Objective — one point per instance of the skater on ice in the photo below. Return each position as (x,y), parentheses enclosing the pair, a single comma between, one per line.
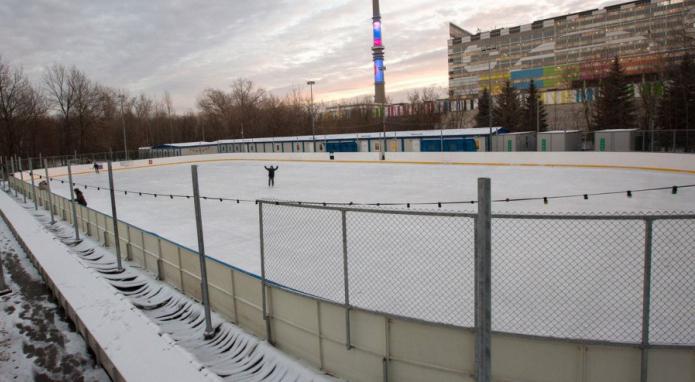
(97,167)
(271,175)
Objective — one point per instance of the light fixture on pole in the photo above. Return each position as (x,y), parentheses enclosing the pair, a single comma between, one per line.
(125,144)
(313,129)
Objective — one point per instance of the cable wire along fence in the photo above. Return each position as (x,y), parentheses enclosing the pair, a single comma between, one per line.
(607,278)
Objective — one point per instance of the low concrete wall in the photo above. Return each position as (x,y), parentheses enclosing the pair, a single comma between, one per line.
(386,347)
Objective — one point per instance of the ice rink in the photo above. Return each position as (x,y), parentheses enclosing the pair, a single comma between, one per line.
(232,232)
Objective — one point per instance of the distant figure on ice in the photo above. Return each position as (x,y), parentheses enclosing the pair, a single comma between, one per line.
(97,167)
(79,197)
(271,175)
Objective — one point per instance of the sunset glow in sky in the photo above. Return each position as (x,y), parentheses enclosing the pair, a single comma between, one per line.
(186,46)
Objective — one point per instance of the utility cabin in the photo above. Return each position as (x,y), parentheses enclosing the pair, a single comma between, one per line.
(519,141)
(616,140)
(560,140)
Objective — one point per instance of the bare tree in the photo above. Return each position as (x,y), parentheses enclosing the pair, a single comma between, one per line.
(61,97)
(15,106)
(247,99)
(143,113)
(168,104)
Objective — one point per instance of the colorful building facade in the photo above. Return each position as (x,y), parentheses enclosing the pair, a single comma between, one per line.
(566,56)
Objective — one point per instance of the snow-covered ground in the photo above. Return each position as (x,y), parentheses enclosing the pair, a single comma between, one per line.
(409,265)
(36,341)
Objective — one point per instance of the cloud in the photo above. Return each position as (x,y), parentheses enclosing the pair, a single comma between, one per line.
(186,46)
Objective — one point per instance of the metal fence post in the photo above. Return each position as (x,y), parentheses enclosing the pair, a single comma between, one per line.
(33,187)
(646,298)
(4,289)
(119,264)
(209,333)
(21,177)
(72,202)
(14,185)
(48,189)
(2,168)
(483,295)
(348,343)
(266,318)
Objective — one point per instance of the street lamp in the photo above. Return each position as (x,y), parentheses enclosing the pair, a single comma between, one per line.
(125,144)
(313,131)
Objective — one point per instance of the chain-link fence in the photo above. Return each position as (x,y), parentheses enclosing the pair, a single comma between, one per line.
(612,278)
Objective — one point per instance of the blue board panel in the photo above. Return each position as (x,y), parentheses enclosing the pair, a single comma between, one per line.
(430,145)
(341,146)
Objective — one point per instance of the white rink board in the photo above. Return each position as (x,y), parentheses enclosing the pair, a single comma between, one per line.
(231,230)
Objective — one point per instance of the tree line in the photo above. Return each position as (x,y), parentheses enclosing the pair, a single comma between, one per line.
(67,112)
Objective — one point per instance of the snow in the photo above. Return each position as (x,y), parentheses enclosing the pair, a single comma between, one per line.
(108,316)
(400,266)
(231,353)
(36,341)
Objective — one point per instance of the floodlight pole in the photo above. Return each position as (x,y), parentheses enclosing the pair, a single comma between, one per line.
(313,122)
(125,144)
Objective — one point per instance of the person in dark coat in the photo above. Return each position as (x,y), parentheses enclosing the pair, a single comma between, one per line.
(79,197)
(271,175)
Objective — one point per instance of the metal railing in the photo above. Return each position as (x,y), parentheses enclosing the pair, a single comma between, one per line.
(625,279)
(616,279)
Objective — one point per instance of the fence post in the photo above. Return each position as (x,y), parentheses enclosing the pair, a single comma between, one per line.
(266,316)
(72,203)
(48,188)
(117,238)
(4,289)
(21,177)
(14,184)
(646,298)
(33,187)
(201,255)
(483,295)
(348,343)
(2,167)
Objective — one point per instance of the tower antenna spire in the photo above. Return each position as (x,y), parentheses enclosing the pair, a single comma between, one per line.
(378,56)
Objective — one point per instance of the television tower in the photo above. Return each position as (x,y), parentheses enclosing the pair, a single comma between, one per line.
(378,56)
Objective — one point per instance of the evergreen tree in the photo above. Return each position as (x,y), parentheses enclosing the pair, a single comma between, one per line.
(507,110)
(483,118)
(615,107)
(534,115)
(677,106)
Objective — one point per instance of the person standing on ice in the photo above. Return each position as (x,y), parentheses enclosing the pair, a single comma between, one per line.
(271,175)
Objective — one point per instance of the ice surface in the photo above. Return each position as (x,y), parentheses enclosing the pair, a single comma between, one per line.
(393,272)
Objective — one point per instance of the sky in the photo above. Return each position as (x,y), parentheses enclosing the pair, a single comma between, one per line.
(185,46)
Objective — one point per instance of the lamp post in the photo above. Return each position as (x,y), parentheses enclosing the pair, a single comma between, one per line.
(313,131)
(125,144)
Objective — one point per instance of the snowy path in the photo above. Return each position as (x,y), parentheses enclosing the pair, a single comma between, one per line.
(129,341)
(36,340)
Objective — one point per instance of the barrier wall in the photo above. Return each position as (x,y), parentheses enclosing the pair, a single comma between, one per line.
(383,347)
